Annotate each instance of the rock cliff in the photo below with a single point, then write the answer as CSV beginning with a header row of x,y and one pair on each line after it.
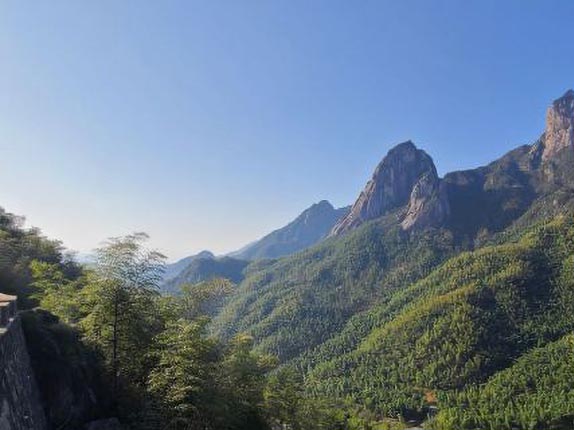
x,y
406,176
428,204
559,132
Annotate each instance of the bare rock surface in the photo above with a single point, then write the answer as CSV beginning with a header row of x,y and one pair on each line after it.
x,y
559,132
405,176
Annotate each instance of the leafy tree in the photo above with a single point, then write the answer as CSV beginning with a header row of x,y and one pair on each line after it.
x,y
242,380
286,404
204,298
121,308
183,377
198,382
20,246
57,293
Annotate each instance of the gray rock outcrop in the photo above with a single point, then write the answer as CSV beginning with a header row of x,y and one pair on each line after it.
x,y
406,176
428,204
559,132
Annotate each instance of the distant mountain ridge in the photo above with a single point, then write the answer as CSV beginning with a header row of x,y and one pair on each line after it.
x,y
311,226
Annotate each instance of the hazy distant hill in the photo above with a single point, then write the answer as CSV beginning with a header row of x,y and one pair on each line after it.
x,y
311,226
174,269
203,267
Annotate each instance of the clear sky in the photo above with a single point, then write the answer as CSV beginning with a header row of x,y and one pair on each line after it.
x,y
209,123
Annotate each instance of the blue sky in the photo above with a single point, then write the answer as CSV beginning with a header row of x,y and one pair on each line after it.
x,y
209,123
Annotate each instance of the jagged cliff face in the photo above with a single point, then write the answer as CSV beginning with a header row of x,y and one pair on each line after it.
x,y
490,198
555,148
468,202
406,177
559,134
428,204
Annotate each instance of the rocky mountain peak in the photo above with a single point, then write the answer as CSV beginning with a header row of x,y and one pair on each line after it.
x,y
392,187
559,132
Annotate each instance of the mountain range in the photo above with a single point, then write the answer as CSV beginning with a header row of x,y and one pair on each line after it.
x,y
404,223
310,227
430,285
444,301
470,203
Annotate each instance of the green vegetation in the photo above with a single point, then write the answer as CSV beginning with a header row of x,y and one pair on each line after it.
x,y
105,341
161,368
535,392
461,325
377,329
18,248
296,303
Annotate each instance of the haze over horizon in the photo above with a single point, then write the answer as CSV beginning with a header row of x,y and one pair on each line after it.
x,y
209,125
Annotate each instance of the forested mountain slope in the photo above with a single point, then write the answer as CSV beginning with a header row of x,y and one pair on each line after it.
x,y
298,302
406,221
469,319
535,392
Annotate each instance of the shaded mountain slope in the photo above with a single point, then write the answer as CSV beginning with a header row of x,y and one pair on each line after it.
x,y
363,322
